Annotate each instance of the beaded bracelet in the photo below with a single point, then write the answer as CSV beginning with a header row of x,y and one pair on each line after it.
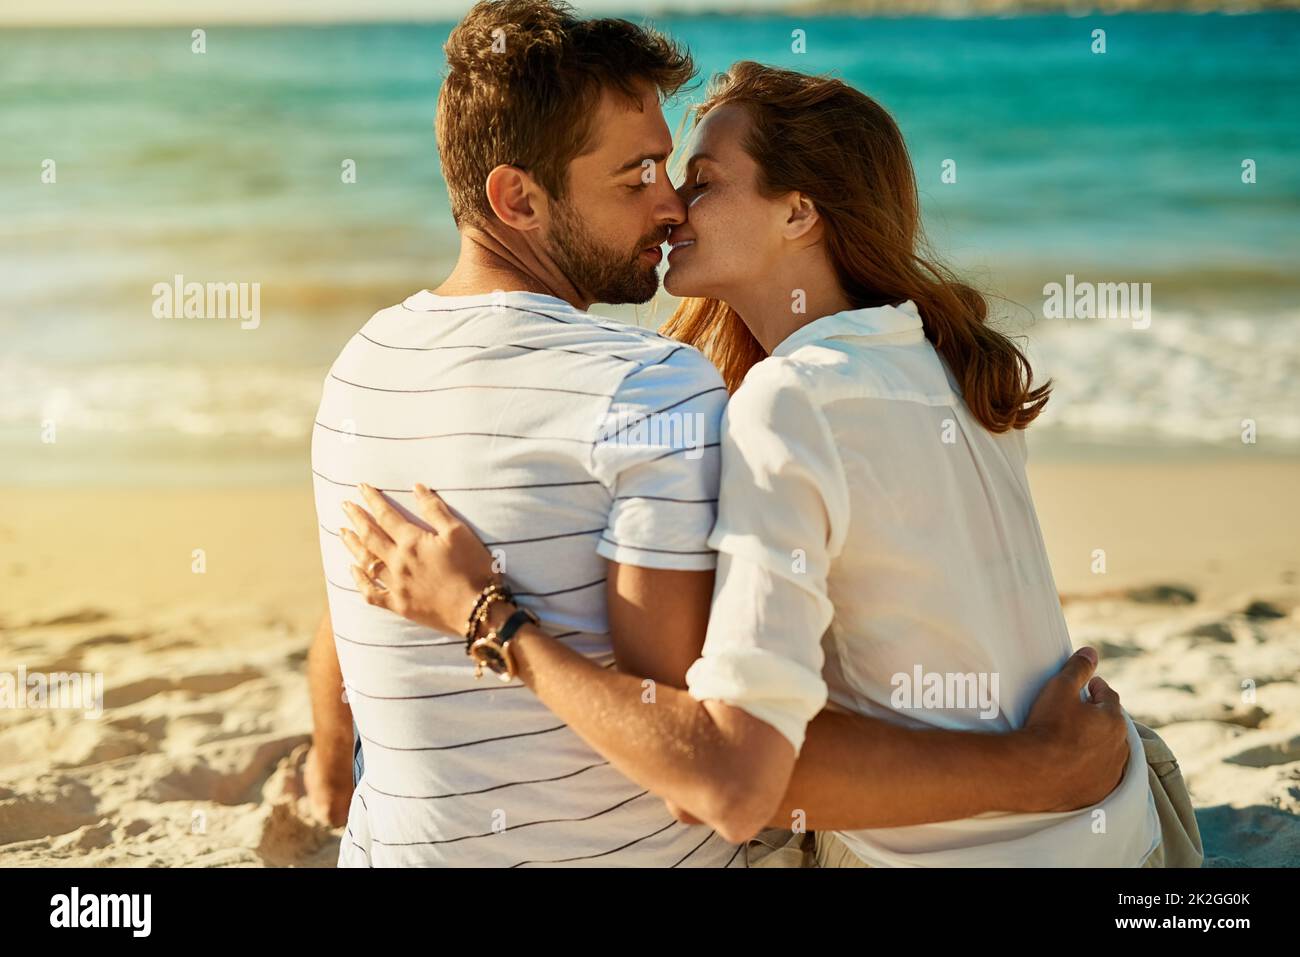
x,y
492,592
488,589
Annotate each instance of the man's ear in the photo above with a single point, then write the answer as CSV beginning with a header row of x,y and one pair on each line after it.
x,y
514,196
803,219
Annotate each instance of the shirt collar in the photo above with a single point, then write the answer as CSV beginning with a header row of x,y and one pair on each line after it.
x,y
874,321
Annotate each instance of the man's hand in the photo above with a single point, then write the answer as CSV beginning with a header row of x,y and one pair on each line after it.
x,y
1082,746
329,788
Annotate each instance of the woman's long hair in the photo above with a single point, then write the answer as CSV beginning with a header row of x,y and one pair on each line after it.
x,y
840,148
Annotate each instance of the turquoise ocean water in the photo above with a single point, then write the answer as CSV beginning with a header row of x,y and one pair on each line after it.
x,y
225,166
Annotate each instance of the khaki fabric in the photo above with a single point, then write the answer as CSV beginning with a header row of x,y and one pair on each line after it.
x,y
778,847
1180,844
832,852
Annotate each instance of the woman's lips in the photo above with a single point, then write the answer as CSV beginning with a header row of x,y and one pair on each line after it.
x,y
678,247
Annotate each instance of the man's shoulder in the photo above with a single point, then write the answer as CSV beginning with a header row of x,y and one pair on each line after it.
x,y
651,347
678,373
672,404
647,367
366,331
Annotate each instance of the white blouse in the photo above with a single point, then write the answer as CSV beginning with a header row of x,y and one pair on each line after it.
x,y
879,547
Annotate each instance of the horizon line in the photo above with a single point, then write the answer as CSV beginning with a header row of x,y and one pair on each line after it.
x,y
796,9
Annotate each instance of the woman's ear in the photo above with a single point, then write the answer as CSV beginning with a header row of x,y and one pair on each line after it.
x,y
513,196
803,217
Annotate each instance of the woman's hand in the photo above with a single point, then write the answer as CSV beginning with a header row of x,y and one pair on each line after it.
x,y
680,813
431,576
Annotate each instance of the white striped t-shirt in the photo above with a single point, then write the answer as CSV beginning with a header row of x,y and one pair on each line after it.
x,y
533,421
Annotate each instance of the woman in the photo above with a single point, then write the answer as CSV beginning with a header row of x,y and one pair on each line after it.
x,y
877,542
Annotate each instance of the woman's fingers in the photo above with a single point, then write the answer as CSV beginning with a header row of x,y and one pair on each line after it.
x,y
433,508
369,591
354,545
388,518
368,531
371,564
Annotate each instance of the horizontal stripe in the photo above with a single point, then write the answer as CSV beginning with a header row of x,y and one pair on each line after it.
x,y
354,842
458,642
451,435
663,498
511,545
561,591
494,787
589,355
475,488
513,541
668,408
333,584
467,744
689,448
696,848
472,385
661,551
660,361
585,319
497,686
544,538
591,857
517,594
513,827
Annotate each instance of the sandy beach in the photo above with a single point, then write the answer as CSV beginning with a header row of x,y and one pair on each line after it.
x,y
196,759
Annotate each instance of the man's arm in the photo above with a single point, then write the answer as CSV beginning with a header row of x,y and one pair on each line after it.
x,y
328,774
654,638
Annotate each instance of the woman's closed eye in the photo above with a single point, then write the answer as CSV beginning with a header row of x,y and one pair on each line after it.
x,y
693,191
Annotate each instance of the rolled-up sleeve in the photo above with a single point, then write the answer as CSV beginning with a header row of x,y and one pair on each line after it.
x,y
781,518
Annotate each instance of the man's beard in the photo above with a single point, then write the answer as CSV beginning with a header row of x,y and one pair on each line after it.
x,y
602,273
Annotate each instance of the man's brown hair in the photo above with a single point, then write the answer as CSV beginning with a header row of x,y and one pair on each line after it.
x,y
524,78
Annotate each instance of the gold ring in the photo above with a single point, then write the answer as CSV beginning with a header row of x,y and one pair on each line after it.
x,y
372,568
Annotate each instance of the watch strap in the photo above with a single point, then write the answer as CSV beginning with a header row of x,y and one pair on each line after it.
x,y
516,621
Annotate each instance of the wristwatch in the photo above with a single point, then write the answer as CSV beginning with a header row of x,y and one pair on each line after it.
x,y
493,649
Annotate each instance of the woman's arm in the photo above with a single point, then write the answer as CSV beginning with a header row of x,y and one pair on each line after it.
x,y
858,772
718,762
727,766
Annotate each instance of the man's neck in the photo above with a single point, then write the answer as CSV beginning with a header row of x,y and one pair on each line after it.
x,y
486,264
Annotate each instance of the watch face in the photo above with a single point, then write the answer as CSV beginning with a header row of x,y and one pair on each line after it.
x,y
488,652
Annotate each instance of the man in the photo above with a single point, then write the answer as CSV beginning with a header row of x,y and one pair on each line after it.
x,y
499,390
